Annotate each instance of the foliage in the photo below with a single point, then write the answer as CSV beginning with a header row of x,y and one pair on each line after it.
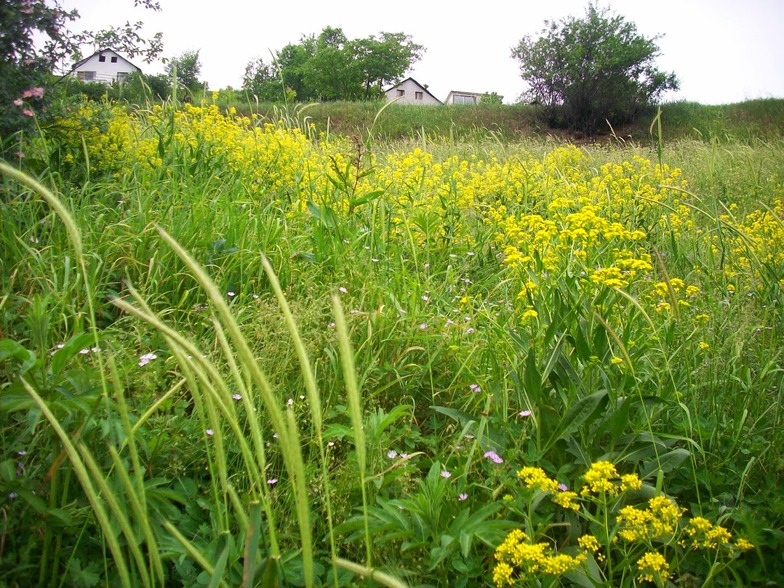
x,y
35,40
185,400
186,67
612,541
262,80
492,98
591,70
24,65
332,67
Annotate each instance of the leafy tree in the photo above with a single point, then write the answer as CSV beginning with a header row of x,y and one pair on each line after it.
x,y
493,98
585,71
330,74
187,67
291,62
382,61
263,81
333,67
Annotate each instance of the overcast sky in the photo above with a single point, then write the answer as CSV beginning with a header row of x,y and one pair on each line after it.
x,y
722,51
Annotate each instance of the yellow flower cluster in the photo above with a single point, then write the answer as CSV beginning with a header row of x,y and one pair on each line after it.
x,y
653,567
752,243
634,529
706,535
659,521
584,222
537,479
518,558
602,477
102,137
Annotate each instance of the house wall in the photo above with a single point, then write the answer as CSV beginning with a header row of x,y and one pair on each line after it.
x,y
463,98
413,93
105,71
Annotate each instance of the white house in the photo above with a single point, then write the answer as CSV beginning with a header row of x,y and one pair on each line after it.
x,y
455,97
105,66
409,91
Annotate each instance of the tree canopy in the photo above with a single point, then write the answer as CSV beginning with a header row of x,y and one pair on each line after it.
x,y
332,67
585,71
187,67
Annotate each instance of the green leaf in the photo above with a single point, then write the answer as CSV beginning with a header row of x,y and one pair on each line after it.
x,y
69,349
11,349
667,462
366,198
223,548
532,379
584,411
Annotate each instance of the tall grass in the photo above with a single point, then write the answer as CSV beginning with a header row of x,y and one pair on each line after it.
x,y
212,379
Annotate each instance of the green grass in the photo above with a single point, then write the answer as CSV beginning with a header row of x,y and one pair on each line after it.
x,y
339,351
737,123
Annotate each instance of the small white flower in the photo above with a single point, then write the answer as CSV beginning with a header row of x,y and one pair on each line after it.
x,y
391,454
146,358
342,290
210,432
231,294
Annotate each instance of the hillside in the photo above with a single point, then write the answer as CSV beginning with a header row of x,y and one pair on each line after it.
x,y
755,119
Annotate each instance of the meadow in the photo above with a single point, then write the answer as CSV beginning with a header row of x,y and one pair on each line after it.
x,y
244,349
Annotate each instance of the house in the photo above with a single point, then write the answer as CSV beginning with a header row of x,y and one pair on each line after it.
x,y
463,98
409,91
104,66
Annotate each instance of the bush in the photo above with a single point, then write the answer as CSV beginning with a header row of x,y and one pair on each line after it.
x,y
591,70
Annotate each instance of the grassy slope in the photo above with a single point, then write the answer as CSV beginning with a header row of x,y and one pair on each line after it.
x,y
746,121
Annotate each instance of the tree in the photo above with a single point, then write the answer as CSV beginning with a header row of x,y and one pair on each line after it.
x,y
383,61
333,67
491,98
586,71
262,80
187,67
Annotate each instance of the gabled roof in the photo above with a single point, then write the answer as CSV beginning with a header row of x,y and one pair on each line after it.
x,y
99,52
417,83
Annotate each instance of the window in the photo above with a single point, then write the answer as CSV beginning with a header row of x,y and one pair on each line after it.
x,y
86,76
401,93
114,59
419,95
102,58
463,99
121,75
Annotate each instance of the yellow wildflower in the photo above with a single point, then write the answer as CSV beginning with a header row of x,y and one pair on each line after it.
x,y
537,479
653,567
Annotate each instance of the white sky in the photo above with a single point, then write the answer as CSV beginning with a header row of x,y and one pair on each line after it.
x,y
722,51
